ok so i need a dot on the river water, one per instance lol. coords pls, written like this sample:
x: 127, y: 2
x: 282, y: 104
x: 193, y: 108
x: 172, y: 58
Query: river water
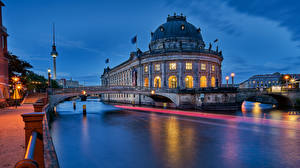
x: 110, y: 138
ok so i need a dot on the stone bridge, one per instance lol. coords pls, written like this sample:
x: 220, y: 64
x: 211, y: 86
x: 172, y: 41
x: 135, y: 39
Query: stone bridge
x: 187, y: 98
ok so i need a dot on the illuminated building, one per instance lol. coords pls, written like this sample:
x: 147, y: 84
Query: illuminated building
x: 4, y: 94
x: 177, y: 59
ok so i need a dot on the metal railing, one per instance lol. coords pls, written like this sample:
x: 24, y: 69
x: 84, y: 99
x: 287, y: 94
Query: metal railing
x: 28, y: 161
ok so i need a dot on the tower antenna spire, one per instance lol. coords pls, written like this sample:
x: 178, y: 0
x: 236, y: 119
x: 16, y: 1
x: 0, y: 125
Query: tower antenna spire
x: 53, y: 34
x: 54, y: 53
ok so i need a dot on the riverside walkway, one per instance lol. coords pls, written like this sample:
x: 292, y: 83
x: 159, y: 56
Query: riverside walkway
x: 12, y: 134
x: 12, y: 137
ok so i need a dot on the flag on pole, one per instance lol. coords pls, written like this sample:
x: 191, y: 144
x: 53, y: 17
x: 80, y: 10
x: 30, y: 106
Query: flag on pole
x: 134, y: 39
x: 107, y: 61
x: 216, y: 40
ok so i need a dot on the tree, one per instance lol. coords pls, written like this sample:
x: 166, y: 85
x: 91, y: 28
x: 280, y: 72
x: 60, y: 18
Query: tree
x: 30, y: 80
x: 17, y: 66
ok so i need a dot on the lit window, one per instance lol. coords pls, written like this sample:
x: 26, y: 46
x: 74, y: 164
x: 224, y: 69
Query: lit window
x: 203, y: 66
x: 203, y: 81
x: 157, y: 67
x: 188, y: 66
x: 172, y: 66
x: 189, y: 81
x: 253, y: 81
x: 182, y: 27
x: 146, y: 68
x: 172, y: 82
x: 162, y: 29
x: 213, y: 68
x: 146, y: 82
x: 157, y: 82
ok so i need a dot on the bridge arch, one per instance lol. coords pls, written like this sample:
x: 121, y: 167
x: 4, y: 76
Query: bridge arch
x: 282, y: 101
x: 169, y: 98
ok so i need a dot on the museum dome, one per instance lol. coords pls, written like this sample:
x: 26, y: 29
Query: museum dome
x: 177, y: 26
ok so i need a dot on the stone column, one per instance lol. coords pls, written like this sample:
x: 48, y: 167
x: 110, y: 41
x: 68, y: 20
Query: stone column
x: 150, y: 75
x: 179, y: 78
x: 163, y: 74
x: 196, y: 74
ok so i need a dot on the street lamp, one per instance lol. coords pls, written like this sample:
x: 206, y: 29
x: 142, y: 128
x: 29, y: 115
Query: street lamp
x: 292, y: 81
x: 232, y: 77
x: 15, y: 79
x: 49, y: 77
x: 227, y: 78
x: 286, y: 77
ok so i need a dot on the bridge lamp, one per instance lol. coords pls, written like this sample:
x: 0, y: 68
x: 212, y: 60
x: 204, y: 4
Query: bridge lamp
x: 292, y: 81
x: 286, y: 77
x: 152, y: 92
x: 227, y: 78
x: 232, y: 77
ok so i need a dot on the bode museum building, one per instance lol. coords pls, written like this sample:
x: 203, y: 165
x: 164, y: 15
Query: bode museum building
x: 177, y: 59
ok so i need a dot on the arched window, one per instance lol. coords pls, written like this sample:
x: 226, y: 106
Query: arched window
x: 157, y: 82
x: 203, y: 81
x: 188, y: 81
x: 172, y: 82
x: 213, y: 82
x: 146, y: 82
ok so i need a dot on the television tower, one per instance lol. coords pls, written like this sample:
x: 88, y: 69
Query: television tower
x: 54, y: 54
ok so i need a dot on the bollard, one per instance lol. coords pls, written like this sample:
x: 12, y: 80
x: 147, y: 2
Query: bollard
x: 84, y: 109
x: 74, y: 105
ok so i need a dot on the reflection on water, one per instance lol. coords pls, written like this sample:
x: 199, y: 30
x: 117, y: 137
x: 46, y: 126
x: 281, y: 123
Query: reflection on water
x: 258, y: 110
x: 111, y: 139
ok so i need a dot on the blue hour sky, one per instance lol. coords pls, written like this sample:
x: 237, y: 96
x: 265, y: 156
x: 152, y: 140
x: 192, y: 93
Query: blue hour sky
x: 256, y: 36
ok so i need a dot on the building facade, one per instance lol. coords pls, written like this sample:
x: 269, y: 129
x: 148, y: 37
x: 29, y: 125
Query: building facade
x: 177, y: 59
x: 4, y: 92
x: 64, y: 83
x: 262, y: 81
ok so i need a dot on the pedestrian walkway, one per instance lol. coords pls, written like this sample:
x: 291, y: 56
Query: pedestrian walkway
x: 12, y: 134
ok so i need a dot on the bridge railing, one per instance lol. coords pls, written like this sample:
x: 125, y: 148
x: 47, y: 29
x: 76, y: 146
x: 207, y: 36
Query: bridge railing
x: 143, y: 89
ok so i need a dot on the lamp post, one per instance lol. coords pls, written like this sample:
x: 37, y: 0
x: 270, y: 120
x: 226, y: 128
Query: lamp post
x: 16, y: 86
x: 227, y: 78
x: 286, y: 77
x: 49, y: 77
x: 292, y: 81
x: 232, y: 78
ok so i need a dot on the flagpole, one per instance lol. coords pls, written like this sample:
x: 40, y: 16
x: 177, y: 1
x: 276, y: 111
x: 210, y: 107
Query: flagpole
x: 136, y: 43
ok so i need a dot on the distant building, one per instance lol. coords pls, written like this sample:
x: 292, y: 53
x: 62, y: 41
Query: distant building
x: 262, y: 81
x: 4, y: 94
x: 68, y: 83
x: 267, y: 80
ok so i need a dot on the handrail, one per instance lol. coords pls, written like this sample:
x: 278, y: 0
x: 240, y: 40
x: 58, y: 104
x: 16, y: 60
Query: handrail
x: 31, y: 146
x: 28, y: 161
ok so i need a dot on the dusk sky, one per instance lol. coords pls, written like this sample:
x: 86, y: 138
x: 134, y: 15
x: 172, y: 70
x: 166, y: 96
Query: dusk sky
x: 256, y: 36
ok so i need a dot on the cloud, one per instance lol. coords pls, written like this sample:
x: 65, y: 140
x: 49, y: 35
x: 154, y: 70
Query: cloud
x: 251, y: 44
x: 77, y: 44
x: 284, y: 12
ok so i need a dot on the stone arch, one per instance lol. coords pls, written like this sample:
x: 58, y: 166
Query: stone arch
x: 282, y: 101
x: 165, y: 97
